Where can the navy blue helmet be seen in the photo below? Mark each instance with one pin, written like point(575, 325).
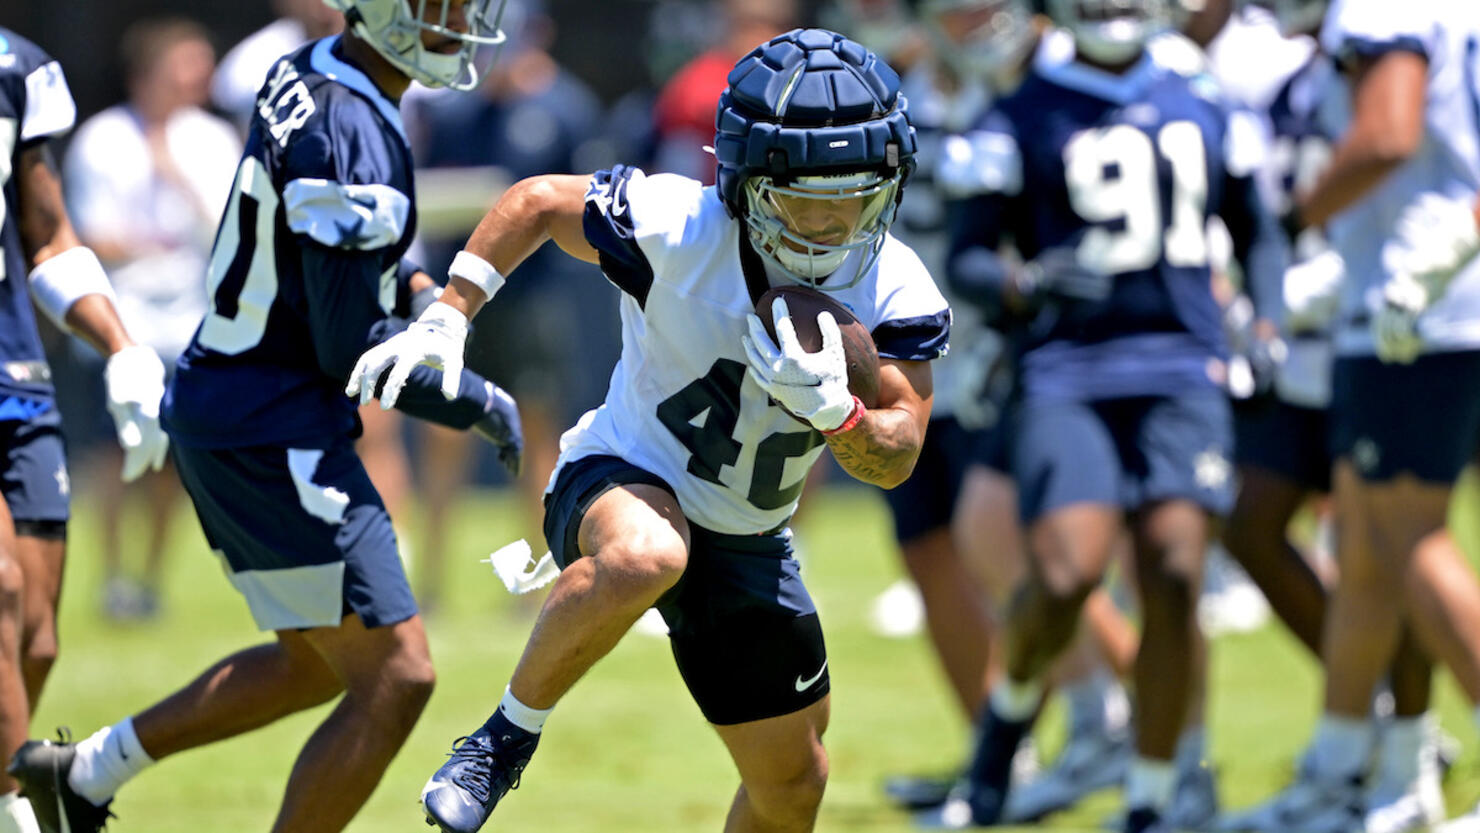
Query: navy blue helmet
point(814, 146)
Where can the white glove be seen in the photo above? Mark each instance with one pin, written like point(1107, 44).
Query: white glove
point(812, 386)
point(134, 377)
point(1312, 290)
point(1437, 237)
point(435, 339)
point(1395, 323)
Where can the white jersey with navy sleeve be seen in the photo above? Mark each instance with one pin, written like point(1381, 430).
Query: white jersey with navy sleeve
point(35, 105)
point(1447, 34)
point(681, 404)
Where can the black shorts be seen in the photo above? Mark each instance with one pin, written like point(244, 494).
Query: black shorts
point(34, 480)
point(744, 631)
point(1285, 439)
point(1421, 419)
point(924, 503)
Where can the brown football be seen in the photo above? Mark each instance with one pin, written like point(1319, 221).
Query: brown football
point(858, 345)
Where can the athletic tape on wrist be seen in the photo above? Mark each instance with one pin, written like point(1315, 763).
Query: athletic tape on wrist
point(58, 282)
point(477, 271)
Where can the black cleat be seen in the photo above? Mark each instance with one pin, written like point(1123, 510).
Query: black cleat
point(41, 767)
point(480, 770)
point(990, 774)
point(1144, 820)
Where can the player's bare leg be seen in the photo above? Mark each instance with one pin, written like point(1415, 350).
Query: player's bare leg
point(1444, 608)
point(443, 463)
point(384, 455)
point(14, 709)
point(1170, 540)
point(164, 494)
point(1256, 535)
point(42, 550)
point(783, 771)
point(635, 542)
point(956, 614)
point(387, 677)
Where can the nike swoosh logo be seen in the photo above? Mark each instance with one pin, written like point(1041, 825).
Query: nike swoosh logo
point(803, 685)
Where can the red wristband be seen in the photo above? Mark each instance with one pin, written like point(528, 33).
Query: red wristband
point(852, 421)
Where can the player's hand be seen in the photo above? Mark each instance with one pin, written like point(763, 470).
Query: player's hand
point(812, 386)
point(436, 339)
point(1436, 238)
point(1056, 274)
point(1395, 323)
point(500, 426)
point(1257, 351)
point(134, 378)
point(1312, 290)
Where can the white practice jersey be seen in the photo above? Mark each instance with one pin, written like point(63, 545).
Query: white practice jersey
point(1447, 33)
point(681, 404)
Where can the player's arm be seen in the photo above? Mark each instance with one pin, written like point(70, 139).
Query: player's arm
point(1387, 127)
point(881, 449)
point(1259, 244)
point(69, 286)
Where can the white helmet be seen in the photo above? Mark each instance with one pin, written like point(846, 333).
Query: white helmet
point(1111, 31)
point(1295, 17)
point(394, 30)
point(981, 39)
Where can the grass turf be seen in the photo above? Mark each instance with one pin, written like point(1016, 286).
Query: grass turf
point(626, 750)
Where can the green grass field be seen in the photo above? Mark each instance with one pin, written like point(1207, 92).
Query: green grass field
point(627, 750)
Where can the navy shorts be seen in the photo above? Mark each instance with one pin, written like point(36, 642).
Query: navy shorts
point(744, 631)
point(1285, 439)
point(1421, 419)
point(1124, 453)
point(924, 503)
point(35, 483)
point(302, 533)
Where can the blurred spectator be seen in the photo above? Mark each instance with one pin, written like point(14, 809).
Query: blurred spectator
point(245, 67)
point(684, 113)
point(529, 117)
point(146, 180)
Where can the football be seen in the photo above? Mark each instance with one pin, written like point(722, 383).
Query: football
point(858, 344)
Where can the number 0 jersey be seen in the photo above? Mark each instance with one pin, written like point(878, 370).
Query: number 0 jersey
point(35, 105)
point(326, 166)
point(681, 404)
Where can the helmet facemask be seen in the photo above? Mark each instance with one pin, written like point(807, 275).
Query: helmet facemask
point(1112, 31)
point(983, 39)
point(808, 226)
point(395, 29)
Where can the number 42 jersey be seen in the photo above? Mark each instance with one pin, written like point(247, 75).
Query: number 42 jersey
point(326, 173)
point(681, 404)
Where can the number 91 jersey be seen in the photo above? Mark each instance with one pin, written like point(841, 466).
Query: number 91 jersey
point(681, 404)
point(1125, 171)
point(326, 165)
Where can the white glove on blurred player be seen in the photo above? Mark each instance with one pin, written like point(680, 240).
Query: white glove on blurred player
point(436, 339)
point(1312, 289)
point(1395, 323)
point(1437, 237)
point(134, 378)
point(812, 386)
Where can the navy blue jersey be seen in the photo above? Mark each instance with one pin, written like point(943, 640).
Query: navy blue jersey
point(1302, 141)
point(1126, 171)
point(34, 106)
point(305, 259)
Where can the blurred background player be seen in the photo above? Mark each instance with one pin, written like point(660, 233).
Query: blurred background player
point(40, 251)
point(146, 180)
point(1107, 168)
point(650, 490)
point(550, 339)
point(244, 67)
point(307, 268)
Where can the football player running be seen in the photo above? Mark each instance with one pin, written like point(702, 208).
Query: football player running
point(306, 269)
point(1402, 428)
point(677, 491)
point(1105, 169)
point(39, 252)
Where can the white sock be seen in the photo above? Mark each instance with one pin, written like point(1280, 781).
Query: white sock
point(1402, 742)
point(526, 718)
point(106, 760)
point(1192, 747)
point(1149, 784)
point(16, 815)
point(1015, 701)
point(1342, 746)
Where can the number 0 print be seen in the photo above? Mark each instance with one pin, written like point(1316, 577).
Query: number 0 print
point(242, 278)
point(1112, 176)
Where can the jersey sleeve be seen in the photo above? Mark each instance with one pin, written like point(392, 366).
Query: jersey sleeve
point(634, 221)
point(35, 89)
point(1369, 29)
point(338, 174)
point(912, 321)
point(985, 160)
